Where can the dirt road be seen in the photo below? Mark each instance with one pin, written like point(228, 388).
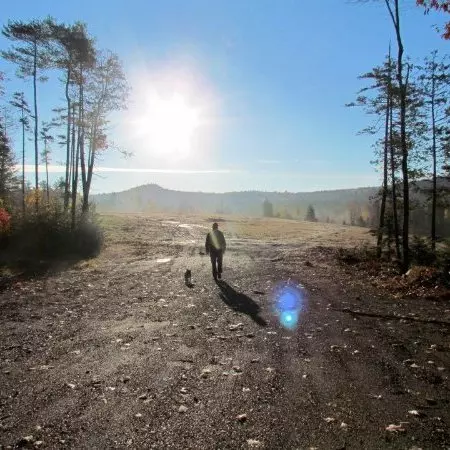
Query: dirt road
point(117, 352)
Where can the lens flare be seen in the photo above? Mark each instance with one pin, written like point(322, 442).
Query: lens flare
point(289, 299)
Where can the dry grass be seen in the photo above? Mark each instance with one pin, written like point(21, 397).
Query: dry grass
point(119, 227)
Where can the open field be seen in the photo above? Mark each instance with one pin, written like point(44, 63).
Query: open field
point(117, 352)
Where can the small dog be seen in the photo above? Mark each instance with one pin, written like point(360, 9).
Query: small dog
point(188, 278)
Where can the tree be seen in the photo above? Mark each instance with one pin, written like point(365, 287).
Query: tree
point(438, 5)
point(2, 80)
point(393, 169)
point(402, 80)
point(435, 80)
point(21, 104)
point(381, 105)
point(8, 180)
point(310, 214)
point(73, 46)
point(46, 138)
point(32, 54)
point(267, 208)
point(385, 153)
point(85, 62)
point(107, 91)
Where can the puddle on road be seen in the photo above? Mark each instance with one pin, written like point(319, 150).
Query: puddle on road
point(191, 225)
point(163, 260)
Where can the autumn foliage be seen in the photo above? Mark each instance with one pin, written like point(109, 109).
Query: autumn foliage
point(5, 219)
point(437, 5)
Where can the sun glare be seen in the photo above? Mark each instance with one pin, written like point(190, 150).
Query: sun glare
point(168, 125)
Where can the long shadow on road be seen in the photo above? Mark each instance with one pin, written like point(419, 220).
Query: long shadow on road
point(240, 302)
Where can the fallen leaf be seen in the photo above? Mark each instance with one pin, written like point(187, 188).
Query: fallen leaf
point(254, 443)
point(395, 428)
point(205, 373)
point(378, 397)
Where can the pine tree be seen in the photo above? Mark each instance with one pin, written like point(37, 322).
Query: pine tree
point(402, 80)
point(310, 214)
point(21, 104)
point(74, 48)
point(106, 91)
point(267, 208)
point(435, 80)
point(45, 155)
point(32, 54)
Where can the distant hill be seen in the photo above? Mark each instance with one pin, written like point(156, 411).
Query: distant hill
point(349, 206)
point(151, 197)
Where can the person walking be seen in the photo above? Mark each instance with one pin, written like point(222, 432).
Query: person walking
point(215, 246)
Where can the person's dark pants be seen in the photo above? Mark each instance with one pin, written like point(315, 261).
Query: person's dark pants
point(216, 262)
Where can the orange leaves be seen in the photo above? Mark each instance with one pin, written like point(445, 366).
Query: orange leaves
point(443, 5)
point(5, 219)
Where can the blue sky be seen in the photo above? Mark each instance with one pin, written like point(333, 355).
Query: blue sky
point(267, 79)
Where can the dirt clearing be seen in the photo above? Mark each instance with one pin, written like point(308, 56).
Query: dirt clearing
point(117, 352)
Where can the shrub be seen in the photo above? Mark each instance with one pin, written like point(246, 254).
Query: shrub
point(421, 252)
point(356, 255)
point(48, 234)
point(5, 219)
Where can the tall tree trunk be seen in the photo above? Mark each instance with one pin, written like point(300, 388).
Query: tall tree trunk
point(394, 188)
point(36, 146)
point(67, 181)
point(90, 171)
point(79, 147)
point(84, 205)
point(90, 165)
point(433, 149)
point(72, 147)
point(385, 177)
point(23, 161)
point(405, 175)
point(76, 160)
point(46, 175)
point(47, 191)
point(395, 15)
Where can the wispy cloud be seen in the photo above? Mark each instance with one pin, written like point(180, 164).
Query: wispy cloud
point(269, 161)
point(311, 161)
point(62, 169)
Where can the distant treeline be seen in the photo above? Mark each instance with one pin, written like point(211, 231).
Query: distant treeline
point(358, 207)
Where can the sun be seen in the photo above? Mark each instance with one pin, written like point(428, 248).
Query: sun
point(168, 125)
